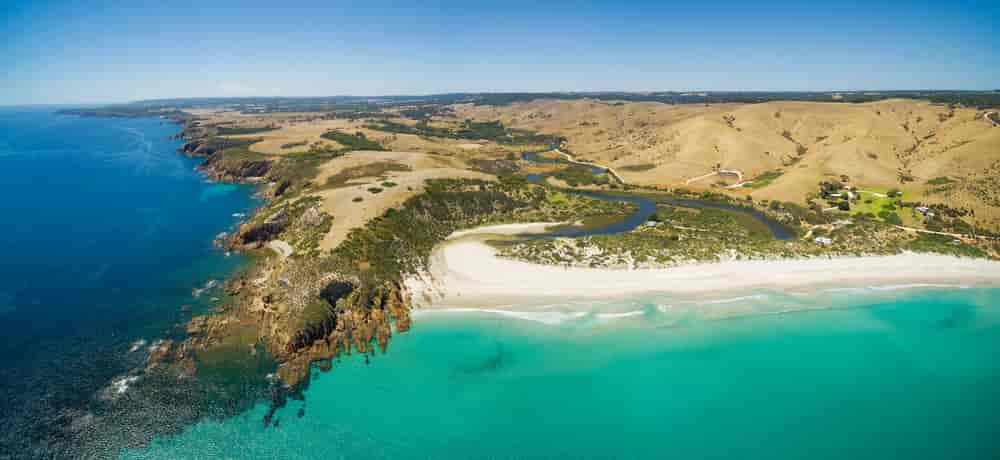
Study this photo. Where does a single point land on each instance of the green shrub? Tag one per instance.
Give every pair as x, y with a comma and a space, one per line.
890, 217
356, 141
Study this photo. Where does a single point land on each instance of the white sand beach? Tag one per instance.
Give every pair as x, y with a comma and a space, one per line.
465, 272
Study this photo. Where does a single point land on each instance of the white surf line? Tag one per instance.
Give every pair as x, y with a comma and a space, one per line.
627, 314
544, 317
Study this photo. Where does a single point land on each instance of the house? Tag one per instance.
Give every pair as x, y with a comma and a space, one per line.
922, 209
824, 240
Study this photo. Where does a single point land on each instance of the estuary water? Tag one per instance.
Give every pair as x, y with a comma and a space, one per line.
869, 373
104, 233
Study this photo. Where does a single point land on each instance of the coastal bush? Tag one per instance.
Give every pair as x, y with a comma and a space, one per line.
890, 217
357, 141
942, 244
638, 167
764, 179
293, 145
577, 175
400, 240
471, 130
227, 131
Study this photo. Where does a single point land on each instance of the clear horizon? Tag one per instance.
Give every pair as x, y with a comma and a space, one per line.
61, 53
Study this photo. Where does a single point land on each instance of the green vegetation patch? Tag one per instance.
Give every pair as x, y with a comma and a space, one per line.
638, 167
227, 131
872, 201
890, 217
942, 184
764, 179
292, 145
942, 244
470, 130
576, 175
942, 180
400, 240
356, 141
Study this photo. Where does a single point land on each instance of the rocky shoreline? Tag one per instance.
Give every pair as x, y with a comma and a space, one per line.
296, 313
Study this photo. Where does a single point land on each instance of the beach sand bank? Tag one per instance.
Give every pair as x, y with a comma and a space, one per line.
465, 272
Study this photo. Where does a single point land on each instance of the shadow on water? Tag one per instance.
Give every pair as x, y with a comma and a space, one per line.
492, 363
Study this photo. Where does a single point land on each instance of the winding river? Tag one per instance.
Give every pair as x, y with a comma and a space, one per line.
645, 207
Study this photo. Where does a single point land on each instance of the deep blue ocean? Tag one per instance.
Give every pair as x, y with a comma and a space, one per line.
106, 231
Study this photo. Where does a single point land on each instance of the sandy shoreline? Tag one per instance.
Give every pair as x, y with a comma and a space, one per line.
464, 272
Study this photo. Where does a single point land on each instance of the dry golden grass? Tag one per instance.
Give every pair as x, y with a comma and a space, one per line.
298, 131
349, 214
874, 144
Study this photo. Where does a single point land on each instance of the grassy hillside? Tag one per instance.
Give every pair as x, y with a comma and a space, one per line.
887, 144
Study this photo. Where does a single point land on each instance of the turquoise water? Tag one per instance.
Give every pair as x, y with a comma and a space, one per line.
105, 230
861, 373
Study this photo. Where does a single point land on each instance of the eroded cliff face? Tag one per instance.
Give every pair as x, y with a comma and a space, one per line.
315, 317
361, 322
315, 307
226, 168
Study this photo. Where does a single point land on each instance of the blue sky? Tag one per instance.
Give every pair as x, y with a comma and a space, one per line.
95, 52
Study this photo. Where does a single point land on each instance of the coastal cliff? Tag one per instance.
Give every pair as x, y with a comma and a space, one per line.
307, 305
310, 306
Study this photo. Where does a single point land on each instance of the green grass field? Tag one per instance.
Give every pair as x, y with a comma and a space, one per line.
872, 203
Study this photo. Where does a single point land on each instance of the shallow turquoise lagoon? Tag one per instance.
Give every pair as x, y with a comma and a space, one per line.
909, 373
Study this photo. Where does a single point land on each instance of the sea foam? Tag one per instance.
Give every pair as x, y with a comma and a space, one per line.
544, 317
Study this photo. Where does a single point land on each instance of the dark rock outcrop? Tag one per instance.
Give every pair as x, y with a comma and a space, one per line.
282, 187
267, 230
223, 168
335, 291
206, 146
